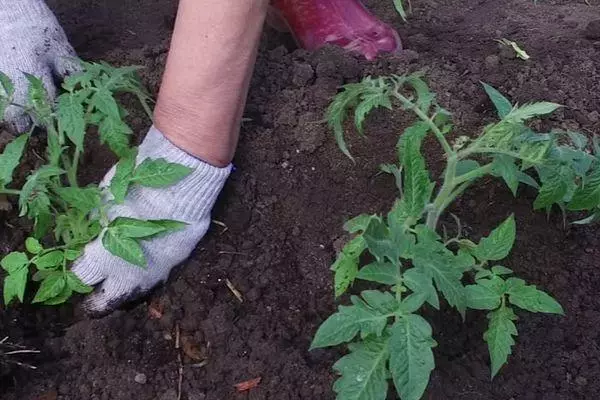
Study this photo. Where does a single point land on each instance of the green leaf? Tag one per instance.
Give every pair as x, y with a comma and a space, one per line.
528, 180
77, 285
14, 285
60, 298
434, 260
33, 245
399, 6
7, 85
82, 199
416, 132
358, 224
381, 272
363, 371
382, 302
120, 182
499, 336
587, 196
500, 270
37, 98
531, 110
168, 225
369, 101
51, 287
529, 298
552, 191
10, 158
126, 248
51, 260
420, 282
15, 261
72, 254
71, 120
159, 173
505, 167
481, 297
502, 104
417, 186
498, 244
411, 357
346, 264
134, 228
34, 199
345, 324
116, 134
104, 102
466, 166
42, 223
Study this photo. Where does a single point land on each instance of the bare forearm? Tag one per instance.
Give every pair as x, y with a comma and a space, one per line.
206, 79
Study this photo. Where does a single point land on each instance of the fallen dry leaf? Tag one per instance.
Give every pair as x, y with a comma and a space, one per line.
247, 385
192, 349
155, 309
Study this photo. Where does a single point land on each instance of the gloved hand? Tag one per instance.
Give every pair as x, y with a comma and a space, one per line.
32, 41
190, 201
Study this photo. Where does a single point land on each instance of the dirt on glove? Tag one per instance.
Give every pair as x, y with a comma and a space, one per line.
283, 209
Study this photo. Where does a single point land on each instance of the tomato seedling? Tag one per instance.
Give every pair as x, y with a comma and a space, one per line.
65, 215
405, 253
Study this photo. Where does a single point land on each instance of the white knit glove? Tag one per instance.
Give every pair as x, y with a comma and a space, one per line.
32, 41
191, 201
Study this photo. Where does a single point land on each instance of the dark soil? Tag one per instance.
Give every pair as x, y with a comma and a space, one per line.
291, 192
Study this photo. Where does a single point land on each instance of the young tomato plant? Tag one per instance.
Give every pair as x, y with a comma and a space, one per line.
412, 263
65, 215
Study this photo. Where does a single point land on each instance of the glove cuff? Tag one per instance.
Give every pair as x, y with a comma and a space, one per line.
30, 10
193, 197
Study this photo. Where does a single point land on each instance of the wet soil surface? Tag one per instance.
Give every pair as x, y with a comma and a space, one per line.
282, 210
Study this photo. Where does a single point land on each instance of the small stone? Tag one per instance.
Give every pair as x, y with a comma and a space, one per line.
594, 116
141, 379
296, 231
592, 30
492, 61
589, 250
581, 381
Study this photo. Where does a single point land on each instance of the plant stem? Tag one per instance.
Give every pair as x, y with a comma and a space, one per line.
437, 207
72, 171
11, 192
476, 173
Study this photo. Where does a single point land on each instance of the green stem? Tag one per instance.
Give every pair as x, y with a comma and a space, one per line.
437, 207
11, 192
476, 173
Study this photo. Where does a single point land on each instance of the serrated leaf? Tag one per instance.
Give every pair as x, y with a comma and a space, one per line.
381, 272
499, 336
51, 260
82, 199
383, 302
587, 196
7, 85
363, 371
77, 285
529, 298
502, 104
416, 132
498, 244
71, 119
37, 98
134, 228
424, 96
33, 245
500, 270
15, 261
34, 199
417, 186
159, 173
480, 297
168, 225
411, 357
126, 248
104, 102
116, 134
420, 282
10, 158
505, 167
14, 285
384, 243
60, 298
42, 224
358, 223
72, 254
346, 264
552, 191
345, 324
51, 287
528, 180
434, 260
528, 111
120, 182
466, 166
369, 101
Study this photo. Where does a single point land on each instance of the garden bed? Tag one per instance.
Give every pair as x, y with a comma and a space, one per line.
281, 213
